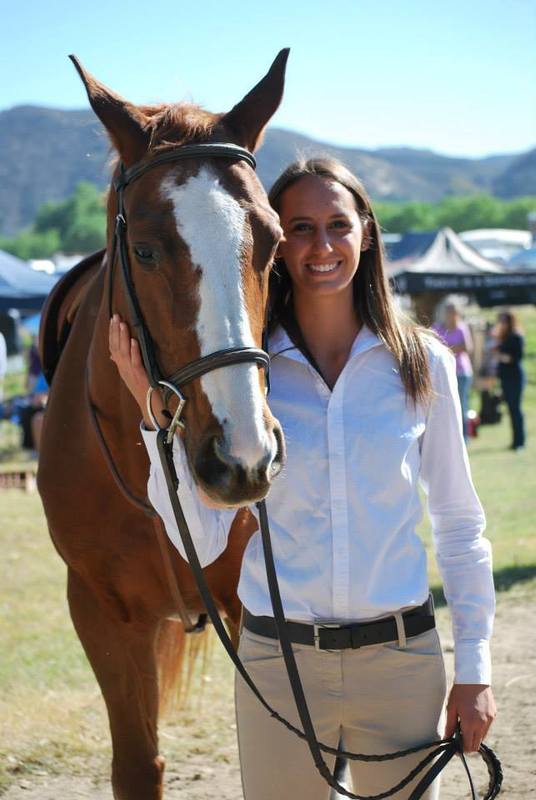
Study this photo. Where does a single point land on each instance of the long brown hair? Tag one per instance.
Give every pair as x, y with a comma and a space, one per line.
508, 325
372, 295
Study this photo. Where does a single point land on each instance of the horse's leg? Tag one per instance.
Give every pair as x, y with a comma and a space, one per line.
122, 655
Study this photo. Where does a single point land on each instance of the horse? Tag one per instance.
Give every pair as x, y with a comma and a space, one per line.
200, 237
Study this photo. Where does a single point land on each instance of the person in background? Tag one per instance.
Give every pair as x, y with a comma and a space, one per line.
34, 365
3, 363
490, 399
509, 353
39, 402
456, 334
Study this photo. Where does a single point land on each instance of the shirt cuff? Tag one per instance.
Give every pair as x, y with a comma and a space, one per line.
149, 439
472, 662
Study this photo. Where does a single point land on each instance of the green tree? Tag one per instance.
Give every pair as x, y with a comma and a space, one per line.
468, 213
31, 244
402, 217
80, 219
85, 235
516, 211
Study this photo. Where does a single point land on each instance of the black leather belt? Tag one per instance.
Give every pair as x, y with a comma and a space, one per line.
325, 636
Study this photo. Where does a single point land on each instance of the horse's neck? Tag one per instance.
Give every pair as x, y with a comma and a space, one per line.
107, 390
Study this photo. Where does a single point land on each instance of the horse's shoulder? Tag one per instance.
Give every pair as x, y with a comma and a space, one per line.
61, 308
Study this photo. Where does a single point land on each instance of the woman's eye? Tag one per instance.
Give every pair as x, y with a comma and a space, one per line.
340, 223
301, 227
145, 254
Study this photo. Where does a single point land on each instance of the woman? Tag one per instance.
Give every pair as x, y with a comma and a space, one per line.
456, 334
367, 406
509, 353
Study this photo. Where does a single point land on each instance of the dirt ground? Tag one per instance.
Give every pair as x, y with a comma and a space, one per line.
513, 737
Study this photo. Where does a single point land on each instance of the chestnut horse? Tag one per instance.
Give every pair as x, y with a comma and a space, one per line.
200, 240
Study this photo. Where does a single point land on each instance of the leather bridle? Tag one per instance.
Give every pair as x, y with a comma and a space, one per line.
440, 752
195, 369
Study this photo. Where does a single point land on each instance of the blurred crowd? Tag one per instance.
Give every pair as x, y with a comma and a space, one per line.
25, 409
501, 376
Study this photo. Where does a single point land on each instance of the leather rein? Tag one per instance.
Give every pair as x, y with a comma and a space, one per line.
443, 750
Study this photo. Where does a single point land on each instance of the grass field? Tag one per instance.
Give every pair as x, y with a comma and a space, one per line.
52, 718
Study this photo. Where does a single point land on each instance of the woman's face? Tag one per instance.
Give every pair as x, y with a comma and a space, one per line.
323, 236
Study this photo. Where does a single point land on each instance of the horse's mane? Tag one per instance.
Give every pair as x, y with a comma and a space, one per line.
176, 124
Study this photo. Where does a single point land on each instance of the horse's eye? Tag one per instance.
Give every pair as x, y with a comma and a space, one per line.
145, 254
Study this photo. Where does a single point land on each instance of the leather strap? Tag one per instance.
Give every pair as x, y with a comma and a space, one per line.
178, 600
221, 358
343, 637
206, 150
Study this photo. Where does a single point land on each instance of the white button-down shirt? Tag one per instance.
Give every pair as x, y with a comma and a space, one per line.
343, 513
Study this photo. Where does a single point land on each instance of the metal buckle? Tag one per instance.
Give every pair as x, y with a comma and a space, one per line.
176, 421
316, 632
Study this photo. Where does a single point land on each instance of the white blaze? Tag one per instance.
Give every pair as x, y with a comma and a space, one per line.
211, 222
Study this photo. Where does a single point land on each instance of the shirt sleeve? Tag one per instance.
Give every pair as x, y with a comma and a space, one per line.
458, 521
209, 527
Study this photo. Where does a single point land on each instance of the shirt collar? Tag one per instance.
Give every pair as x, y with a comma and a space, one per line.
281, 345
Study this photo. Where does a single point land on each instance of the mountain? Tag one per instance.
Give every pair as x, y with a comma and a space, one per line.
519, 178
45, 152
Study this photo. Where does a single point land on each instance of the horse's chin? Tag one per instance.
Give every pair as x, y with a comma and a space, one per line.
212, 502
219, 504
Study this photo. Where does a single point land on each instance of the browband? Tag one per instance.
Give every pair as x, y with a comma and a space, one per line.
208, 150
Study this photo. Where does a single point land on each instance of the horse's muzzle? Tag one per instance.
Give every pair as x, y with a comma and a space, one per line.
227, 481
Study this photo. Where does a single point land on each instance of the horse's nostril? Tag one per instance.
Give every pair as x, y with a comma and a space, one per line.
279, 458
219, 451
210, 463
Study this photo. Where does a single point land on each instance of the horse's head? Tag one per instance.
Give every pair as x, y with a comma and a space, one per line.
201, 237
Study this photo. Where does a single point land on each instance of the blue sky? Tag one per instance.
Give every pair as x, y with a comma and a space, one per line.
457, 77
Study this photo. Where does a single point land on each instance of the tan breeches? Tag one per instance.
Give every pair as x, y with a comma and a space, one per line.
377, 699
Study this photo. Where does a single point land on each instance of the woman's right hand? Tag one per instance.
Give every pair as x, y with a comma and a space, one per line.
125, 353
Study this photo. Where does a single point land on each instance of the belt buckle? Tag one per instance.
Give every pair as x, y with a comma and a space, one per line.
316, 632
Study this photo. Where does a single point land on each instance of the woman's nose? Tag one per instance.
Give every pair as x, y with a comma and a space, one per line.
322, 241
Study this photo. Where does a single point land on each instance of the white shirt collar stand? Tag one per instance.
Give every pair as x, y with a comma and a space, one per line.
281, 345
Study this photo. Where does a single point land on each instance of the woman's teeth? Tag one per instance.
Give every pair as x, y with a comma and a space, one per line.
323, 267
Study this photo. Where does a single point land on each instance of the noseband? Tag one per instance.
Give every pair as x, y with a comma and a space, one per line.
195, 369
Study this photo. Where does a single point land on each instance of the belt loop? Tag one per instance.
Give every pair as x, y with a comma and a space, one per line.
400, 629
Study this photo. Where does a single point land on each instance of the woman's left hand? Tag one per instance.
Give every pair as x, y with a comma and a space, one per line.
474, 706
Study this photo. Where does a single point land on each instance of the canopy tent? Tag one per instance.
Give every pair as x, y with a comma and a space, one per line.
20, 286
440, 262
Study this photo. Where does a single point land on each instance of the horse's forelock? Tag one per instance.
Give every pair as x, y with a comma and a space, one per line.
181, 123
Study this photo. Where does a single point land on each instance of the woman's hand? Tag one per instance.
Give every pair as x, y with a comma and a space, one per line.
125, 353
473, 705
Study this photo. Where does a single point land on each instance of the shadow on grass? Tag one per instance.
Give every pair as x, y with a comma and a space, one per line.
503, 578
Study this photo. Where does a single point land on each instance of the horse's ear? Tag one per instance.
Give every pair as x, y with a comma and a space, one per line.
247, 120
123, 121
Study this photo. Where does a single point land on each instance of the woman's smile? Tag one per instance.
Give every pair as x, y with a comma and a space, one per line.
321, 269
